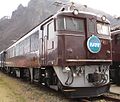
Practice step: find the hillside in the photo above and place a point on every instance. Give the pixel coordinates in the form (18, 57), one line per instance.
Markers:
(25, 18)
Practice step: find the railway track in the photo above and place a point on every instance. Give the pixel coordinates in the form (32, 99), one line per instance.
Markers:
(110, 97)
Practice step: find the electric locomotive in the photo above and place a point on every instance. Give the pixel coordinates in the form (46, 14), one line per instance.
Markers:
(69, 51)
(115, 67)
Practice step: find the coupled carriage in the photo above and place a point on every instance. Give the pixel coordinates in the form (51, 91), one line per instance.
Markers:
(69, 51)
(115, 66)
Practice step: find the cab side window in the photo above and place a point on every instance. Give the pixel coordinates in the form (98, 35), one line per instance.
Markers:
(50, 30)
(34, 41)
(27, 45)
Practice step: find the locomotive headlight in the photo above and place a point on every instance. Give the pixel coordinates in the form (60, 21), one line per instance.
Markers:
(103, 18)
(75, 12)
(66, 69)
(74, 74)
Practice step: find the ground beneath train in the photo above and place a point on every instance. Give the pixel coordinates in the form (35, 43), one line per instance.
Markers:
(16, 90)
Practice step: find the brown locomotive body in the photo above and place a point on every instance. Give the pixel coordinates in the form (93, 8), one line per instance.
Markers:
(69, 51)
(59, 47)
(115, 67)
(115, 46)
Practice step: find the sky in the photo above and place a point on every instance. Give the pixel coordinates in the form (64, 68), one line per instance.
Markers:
(109, 6)
(7, 6)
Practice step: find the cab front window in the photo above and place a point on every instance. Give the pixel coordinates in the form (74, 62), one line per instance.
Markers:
(70, 24)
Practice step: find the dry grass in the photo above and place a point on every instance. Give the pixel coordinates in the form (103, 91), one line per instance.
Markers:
(14, 90)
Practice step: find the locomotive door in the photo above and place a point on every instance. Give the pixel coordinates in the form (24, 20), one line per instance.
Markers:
(48, 43)
(75, 43)
(44, 45)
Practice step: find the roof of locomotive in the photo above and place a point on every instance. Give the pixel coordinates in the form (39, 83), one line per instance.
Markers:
(86, 14)
(66, 12)
(115, 32)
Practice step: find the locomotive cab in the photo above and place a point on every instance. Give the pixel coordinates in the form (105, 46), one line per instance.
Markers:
(78, 46)
(75, 38)
(83, 53)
